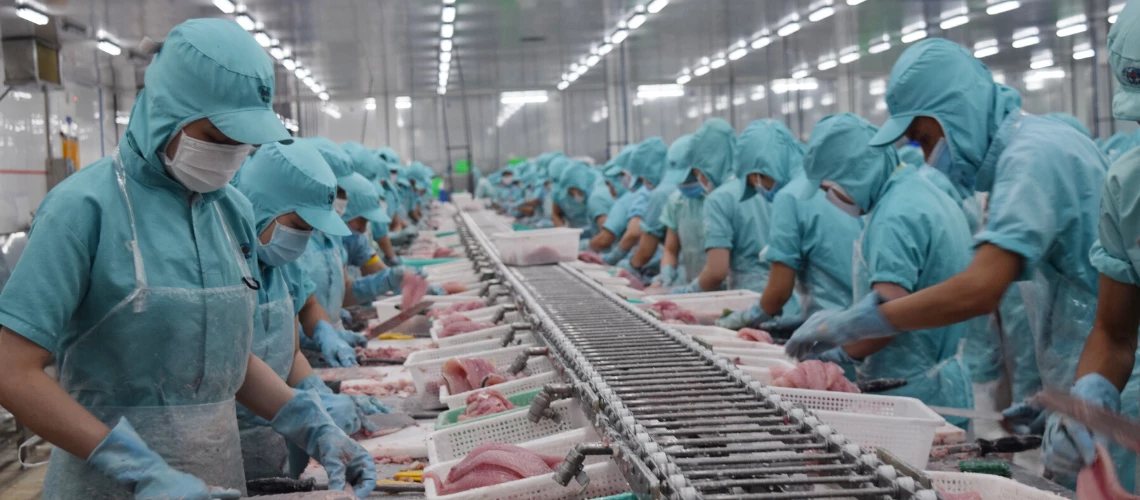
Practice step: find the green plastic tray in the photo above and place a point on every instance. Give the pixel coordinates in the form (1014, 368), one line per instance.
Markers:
(521, 227)
(623, 496)
(451, 417)
(428, 262)
(445, 233)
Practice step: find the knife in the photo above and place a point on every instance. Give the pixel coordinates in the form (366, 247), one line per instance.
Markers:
(983, 447)
(1123, 431)
(396, 320)
(964, 413)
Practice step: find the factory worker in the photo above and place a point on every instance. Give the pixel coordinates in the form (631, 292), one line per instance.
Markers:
(1117, 145)
(1043, 178)
(1106, 374)
(613, 201)
(536, 206)
(356, 244)
(645, 169)
(1071, 121)
(565, 211)
(735, 231)
(577, 183)
(290, 187)
(809, 239)
(914, 238)
(654, 231)
(398, 184)
(151, 360)
(370, 166)
(483, 188)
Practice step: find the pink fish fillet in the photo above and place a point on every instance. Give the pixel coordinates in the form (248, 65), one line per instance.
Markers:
(456, 376)
(459, 327)
(631, 279)
(466, 374)
(453, 287)
(814, 375)
(443, 252)
(413, 289)
(541, 255)
(1099, 482)
(591, 258)
(486, 476)
(483, 403)
(754, 335)
(968, 495)
(473, 458)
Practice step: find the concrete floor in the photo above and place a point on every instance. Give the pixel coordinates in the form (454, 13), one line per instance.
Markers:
(17, 483)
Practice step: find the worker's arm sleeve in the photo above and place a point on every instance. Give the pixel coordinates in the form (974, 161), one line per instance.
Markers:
(669, 215)
(893, 249)
(301, 286)
(617, 219)
(639, 204)
(1116, 250)
(51, 278)
(358, 249)
(1024, 203)
(379, 230)
(785, 240)
(651, 222)
(719, 210)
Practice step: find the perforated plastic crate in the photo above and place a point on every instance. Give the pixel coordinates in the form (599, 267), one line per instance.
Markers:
(522, 248)
(521, 401)
(506, 388)
(429, 370)
(989, 487)
(458, 440)
(495, 332)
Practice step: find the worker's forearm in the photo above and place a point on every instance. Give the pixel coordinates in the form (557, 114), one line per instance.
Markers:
(385, 244)
(646, 247)
(867, 347)
(774, 297)
(602, 241)
(301, 369)
(349, 297)
(1110, 349)
(668, 258)
(40, 404)
(311, 314)
(373, 268)
(632, 234)
(715, 270)
(262, 391)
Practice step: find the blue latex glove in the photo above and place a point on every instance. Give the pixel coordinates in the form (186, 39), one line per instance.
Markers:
(693, 287)
(1068, 446)
(124, 457)
(367, 405)
(394, 261)
(748, 318)
(666, 277)
(836, 355)
(827, 329)
(304, 422)
(436, 290)
(615, 255)
(345, 317)
(782, 323)
(337, 352)
(352, 338)
(1025, 419)
(365, 289)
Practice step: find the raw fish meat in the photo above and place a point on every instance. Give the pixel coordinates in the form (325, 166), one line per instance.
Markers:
(453, 287)
(485, 402)
(667, 311)
(384, 352)
(754, 335)
(375, 388)
(413, 289)
(398, 459)
(491, 464)
(466, 374)
(968, 495)
(591, 258)
(466, 326)
(457, 307)
(1099, 482)
(443, 252)
(541, 255)
(633, 281)
(813, 374)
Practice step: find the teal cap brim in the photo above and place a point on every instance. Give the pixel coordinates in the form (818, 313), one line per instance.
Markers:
(894, 128)
(325, 221)
(251, 126)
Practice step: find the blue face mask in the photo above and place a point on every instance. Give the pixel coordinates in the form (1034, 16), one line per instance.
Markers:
(941, 160)
(768, 194)
(285, 246)
(692, 190)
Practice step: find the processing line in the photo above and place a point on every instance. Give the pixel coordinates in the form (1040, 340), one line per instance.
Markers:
(682, 422)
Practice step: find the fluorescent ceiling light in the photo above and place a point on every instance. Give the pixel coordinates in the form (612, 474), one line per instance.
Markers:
(309, 81)
(879, 47)
(277, 52)
(31, 15)
(324, 96)
(444, 67)
(1112, 19)
(301, 72)
(1071, 20)
(701, 71)
(370, 104)
(985, 52)
(821, 13)
(877, 87)
(828, 64)
(445, 57)
(788, 29)
(855, 2)
(592, 60)
(449, 2)
(109, 47)
(636, 21)
(1113, 11)
(563, 84)
(650, 92)
(827, 100)
(1041, 63)
(289, 64)
(803, 73)
(954, 22)
(605, 48)
(717, 63)
(441, 90)
(446, 30)
(1084, 54)
(226, 6)
(998, 8)
(1044, 74)
(448, 15)
(619, 36)
(445, 45)
(245, 21)
(1025, 42)
(572, 77)
(849, 58)
(524, 97)
(737, 54)
(761, 42)
(781, 86)
(683, 79)
(1072, 30)
(656, 5)
(403, 102)
(262, 38)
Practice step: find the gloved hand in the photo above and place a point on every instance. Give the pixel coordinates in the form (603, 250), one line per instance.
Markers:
(124, 457)
(782, 324)
(304, 422)
(365, 289)
(436, 290)
(345, 317)
(827, 329)
(835, 355)
(1025, 419)
(1068, 446)
(693, 287)
(353, 339)
(666, 277)
(615, 255)
(392, 261)
(748, 318)
(366, 404)
(337, 352)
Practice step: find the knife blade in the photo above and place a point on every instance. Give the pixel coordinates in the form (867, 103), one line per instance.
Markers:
(970, 414)
(396, 320)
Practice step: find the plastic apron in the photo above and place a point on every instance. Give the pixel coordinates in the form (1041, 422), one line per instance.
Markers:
(199, 439)
(691, 232)
(947, 383)
(263, 450)
(325, 267)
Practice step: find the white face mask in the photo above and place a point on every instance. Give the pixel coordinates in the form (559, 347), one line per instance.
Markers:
(508, 180)
(203, 166)
(340, 206)
(393, 178)
(833, 195)
(626, 180)
(578, 197)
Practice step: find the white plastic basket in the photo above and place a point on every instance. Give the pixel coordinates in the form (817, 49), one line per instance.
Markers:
(905, 426)
(758, 361)
(516, 247)
(495, 332)
(731, 294)
(605, 477)
(487, 313)
(448, 267)
(714, 306)
(430, 370)
(755, 351)
(466, 350)
(512, 427)
(989, 487)
(389, 307)
(465, 277)
(606, 279)
(508, 388)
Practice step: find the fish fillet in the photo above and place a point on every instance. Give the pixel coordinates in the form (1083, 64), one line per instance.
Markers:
(413, 289)
(1099, 482)
(754, 335)
(814, 375)
(485, 402)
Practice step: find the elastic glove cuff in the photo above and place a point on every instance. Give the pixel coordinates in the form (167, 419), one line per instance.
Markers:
(302, 419)
(123, 455)
(614, 256)
(1095, 388)
(315, 384)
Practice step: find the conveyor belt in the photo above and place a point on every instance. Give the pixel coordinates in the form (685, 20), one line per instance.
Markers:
(705, 429)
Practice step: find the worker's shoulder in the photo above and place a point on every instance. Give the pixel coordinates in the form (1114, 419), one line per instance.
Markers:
(729, 192)
(84, 194)
(1124, 173)
(1042, 143)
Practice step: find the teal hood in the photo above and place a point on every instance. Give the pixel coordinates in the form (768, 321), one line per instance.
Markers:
(388, 155)
(941, 79)
(1117, 145)
(838, 151)
(558, 166)
(911, 155)
(579, 175)
(712, 151)
(1071, 121)
(337, 158)
(768, 148)
(364, 161)
(363, 199)
(282, 178)
(676, 169)
(648, 162)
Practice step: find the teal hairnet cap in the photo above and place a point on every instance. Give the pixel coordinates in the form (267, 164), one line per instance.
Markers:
(364, 160)
(212, 68)
(334, 155)
(911, 155)
(1124, 58)
(675, 167)
(648, 162)
(768, 148)
(839, 151)
(711, 151)
(363, 199)
(388, 155)
(281, 178)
